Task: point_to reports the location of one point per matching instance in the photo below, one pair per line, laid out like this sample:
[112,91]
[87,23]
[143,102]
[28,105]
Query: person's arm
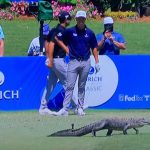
[62,39]
[106,34]
[95,54]
[49,47]
[62,45]
[101,43]
[49,51]
[94,47]
[1,47]
[119,45]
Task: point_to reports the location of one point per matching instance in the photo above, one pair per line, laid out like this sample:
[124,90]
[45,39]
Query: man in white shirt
[34,48]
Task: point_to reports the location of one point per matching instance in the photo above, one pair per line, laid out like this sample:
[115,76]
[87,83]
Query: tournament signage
[22,80]
[122,83]
[100,86]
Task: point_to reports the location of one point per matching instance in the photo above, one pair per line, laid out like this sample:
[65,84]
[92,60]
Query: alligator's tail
[67,132]
[80,131]
[73,132]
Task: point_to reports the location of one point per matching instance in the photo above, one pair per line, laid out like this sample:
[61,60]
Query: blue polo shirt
[79,42]
[1,33]
[109,48]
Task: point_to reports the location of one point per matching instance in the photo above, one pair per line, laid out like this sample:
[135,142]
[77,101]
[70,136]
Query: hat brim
[80,17]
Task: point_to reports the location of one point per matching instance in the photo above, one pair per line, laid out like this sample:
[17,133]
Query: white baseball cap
[80,13]
[108,20]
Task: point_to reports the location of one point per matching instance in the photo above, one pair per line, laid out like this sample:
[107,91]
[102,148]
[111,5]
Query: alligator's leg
[124,132]
[109,132]
[125,129]
[137,131]
[98,127]
[93,133]
[72,126]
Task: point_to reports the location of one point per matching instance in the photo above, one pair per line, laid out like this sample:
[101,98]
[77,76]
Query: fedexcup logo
[2,78]
[100,86]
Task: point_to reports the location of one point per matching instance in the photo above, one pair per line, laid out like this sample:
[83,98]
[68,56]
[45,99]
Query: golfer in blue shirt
[79,40]
[110,42]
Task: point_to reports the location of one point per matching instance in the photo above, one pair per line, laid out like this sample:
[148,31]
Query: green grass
[28,131]
[19,33]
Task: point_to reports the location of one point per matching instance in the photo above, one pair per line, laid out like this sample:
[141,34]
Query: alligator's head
[145,121]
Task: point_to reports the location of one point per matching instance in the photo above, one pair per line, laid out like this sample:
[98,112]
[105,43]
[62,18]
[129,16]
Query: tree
[122,5]
[5,3]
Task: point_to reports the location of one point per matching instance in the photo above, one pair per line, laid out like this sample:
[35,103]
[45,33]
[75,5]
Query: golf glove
[97,67]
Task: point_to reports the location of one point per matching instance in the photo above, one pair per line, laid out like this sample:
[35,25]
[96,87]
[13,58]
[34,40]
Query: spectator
[1,42]
[34,48]
[79,39]
[110,42]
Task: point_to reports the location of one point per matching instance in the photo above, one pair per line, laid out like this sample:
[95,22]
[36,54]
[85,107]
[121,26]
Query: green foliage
[103,5]
[121,15]
[143,3]
[68,1]
[5,3]
[117,5]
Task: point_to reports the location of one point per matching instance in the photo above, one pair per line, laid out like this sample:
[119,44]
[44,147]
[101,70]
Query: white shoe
[75,111]
[46,111]
[80,112]
[85,107]
[62,112]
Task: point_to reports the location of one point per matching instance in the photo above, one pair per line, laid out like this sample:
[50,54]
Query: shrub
[121,15]
[72,9]
[6,14]
[16,9]
[19,8]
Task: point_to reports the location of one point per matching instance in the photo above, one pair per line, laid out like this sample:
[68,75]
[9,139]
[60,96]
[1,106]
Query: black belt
[80,59]
[58,57]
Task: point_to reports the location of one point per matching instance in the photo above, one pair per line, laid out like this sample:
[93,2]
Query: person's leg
[51,83]
[60,69]
[72,74]
[83,74]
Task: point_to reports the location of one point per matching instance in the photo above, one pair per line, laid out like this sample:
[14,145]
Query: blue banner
[122,83]
[22,80]
[133,84]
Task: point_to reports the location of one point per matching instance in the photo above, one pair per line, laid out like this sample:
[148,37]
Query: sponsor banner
[100,86]
[22,80]
[122,83]
[133,83]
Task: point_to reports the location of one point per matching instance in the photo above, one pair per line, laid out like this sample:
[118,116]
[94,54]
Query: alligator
[120,124]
